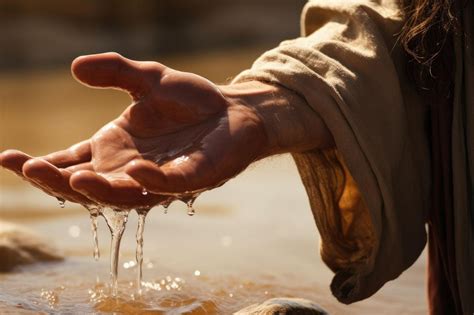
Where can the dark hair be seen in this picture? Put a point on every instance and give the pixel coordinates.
(427, 38)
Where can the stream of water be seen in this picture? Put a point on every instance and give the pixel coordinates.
(116, 221)
(139, 252)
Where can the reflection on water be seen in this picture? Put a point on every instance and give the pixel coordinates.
(169, 293)
(254, 239)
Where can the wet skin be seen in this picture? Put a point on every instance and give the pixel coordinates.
(181, 134)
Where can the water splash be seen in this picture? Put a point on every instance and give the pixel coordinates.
(116, 220)
(62, 202)
(139, 251)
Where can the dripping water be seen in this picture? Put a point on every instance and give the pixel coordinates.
(62, 202)
(116, 221)
(165, 205)
(94, 213)
(189, 204)
(139, 251)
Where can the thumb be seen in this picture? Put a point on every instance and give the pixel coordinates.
(111, 70)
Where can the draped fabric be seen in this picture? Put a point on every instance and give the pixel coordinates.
(451, 216)
(371, 196)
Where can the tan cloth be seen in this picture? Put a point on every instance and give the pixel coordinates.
(371, 196)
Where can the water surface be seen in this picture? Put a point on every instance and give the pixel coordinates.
(250, 240)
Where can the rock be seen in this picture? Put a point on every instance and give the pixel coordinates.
(284, 306)
(19, 246)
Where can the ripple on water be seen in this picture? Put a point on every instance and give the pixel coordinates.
(195, 292)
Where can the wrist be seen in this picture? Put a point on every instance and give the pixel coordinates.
(290, 124)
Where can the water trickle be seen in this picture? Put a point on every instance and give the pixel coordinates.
(189, 204)
(62, 202)
(94, 213)
(165, 206)
(116, 221)
(139, 252)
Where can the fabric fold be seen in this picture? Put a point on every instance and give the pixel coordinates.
(369, 196)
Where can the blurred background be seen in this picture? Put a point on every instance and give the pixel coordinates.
(42, 108)
(39, 34)
(257, 227)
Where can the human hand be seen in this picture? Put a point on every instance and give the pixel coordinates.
(180, 135)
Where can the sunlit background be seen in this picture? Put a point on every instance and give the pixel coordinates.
(44, 109)
(250, 240)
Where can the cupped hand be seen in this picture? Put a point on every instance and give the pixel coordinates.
(179, 136)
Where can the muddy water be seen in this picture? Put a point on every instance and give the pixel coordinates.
(250, 240)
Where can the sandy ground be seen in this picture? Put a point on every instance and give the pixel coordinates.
(257, 225)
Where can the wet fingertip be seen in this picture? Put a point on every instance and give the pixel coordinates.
(31, 168)
(146, 173)
(38, 167)
(81, 180)
(137, 168)
(13, 159)
(132, 165)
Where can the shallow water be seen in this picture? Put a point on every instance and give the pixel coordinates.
(55, 288)
(250, 240)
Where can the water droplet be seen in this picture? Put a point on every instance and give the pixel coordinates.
(62, 202)
(129, 264)
(197, 273)
(190, 203)
(165, 205)
(144, 192)
(149, 264)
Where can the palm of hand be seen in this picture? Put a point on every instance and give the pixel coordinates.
(180, 136)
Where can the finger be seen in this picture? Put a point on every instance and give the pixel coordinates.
(172, 179)
(80, 167)
(52, 180)
(148, 174)
(111, 70)
(118, 193)
(13, 160)
(76, 154)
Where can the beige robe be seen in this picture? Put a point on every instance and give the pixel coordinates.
(370, 197)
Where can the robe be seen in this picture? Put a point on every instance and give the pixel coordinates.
(372, 196)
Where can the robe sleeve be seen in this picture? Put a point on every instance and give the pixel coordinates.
(368, 196)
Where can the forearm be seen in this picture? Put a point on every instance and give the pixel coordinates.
(290, 124)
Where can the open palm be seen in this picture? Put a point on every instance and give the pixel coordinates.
(180, 135)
